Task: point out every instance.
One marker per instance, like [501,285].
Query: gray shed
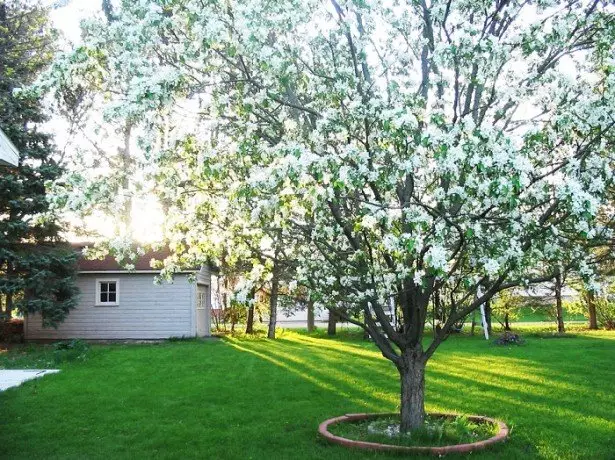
[116,304]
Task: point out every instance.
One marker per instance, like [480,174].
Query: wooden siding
[146,311]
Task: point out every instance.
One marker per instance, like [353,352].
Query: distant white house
[299,317]
[116,304]
[9,155]
[545,293]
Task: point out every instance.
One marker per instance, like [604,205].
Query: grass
[48,356]
[250,398]
[545,313]
[436,431]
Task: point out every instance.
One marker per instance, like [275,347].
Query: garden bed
[441,434]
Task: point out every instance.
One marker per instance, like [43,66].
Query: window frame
[98,302]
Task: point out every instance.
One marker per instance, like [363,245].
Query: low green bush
[70,350]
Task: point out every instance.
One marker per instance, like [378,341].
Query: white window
[107,292]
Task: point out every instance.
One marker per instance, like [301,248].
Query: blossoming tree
[410,150]
[215,217]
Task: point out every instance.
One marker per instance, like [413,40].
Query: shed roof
[142,264]
[109,264]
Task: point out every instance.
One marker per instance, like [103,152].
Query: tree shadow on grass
[556,393]
[180,400]
[242,398]
[332,372]
[363,354]
[555,410]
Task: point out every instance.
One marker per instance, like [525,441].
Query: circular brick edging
[500,436]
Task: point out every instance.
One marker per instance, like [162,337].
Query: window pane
[112,297]
[104,297]
[112,287]
[104,287]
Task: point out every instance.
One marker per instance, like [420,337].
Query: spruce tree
[37,269]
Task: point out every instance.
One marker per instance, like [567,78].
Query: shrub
[507,305]
[605,309]
[605,314]
[70,350]
[509,338]
[11,331]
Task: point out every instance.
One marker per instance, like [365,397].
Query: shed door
[203,319]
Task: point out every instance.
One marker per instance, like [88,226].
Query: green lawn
[544,313]
[253,398]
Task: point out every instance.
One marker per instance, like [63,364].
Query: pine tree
[37,270]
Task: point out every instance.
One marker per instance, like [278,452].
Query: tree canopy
[404,150]
[36,269]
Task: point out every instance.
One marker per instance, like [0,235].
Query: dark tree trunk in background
[434,306]
[273,305]
[591,310]
[473,323]
[412,374]
[250,320]
[558,304]
[332,326]
[8,312]
[506,322]
[488,316]
[310,316]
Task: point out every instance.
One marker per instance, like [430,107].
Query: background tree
[106,164]
[589,298]
[409,150]
[37,271]
[602,304]
[221,222]
[506,305]
[593,296]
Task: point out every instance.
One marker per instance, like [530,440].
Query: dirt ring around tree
[500,436]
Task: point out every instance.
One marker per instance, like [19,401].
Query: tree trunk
[473,323]
[8,312]
[558,304]
[250,320]
[331,328]
[506,322]
[310,316]
[273,306]
[591,310]
[225,308]
[412,375]
[123,225]
[433,316]
[488,316]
